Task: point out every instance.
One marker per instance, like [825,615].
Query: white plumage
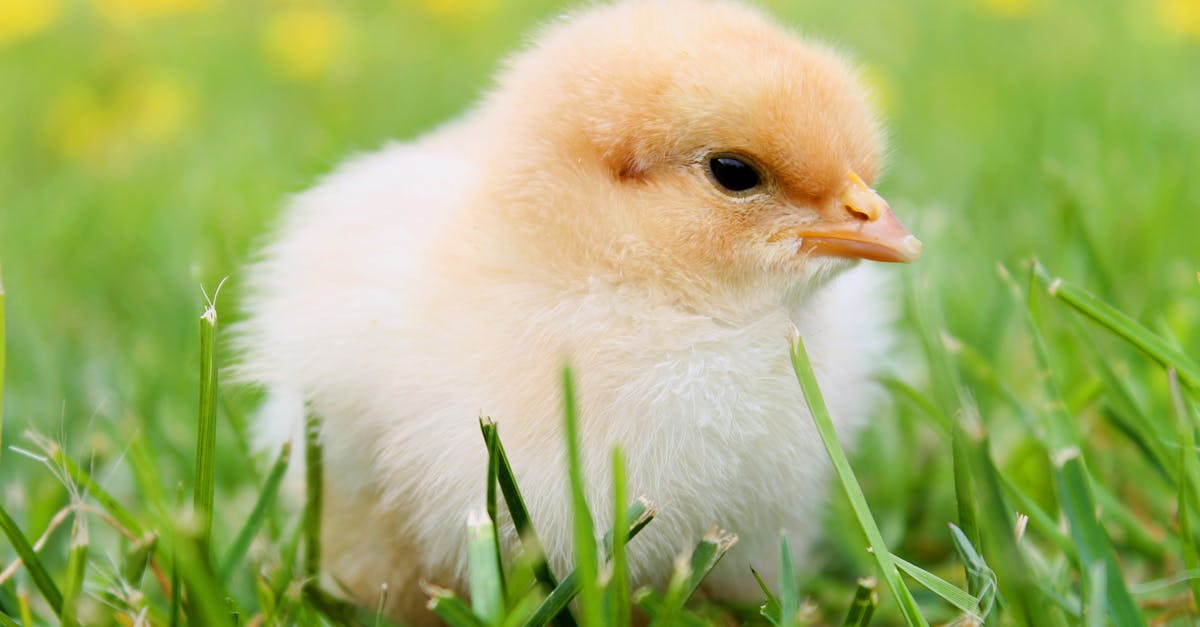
[575,216]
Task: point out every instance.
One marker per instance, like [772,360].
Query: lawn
[147,145]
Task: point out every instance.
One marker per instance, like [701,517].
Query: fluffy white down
[354,312]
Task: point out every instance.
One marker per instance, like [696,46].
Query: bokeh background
[147,145]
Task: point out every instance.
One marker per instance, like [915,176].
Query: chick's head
[701,145]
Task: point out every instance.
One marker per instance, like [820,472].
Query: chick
[657,192]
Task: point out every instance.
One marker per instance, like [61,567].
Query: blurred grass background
[146,145]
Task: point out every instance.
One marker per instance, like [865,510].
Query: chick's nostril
[856,213]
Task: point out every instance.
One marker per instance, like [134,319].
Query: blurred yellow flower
[24,18]
[301,42]
[132,10]
[105,128]
[1007,8]
[456,8]
[1181,17]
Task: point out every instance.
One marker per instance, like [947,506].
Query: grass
[144,153]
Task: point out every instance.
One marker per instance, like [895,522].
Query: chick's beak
[860,225]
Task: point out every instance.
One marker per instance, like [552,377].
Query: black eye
[733,174]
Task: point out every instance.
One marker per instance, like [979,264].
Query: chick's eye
[733,174]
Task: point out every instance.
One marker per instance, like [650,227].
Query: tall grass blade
[1123,326]
[314,489]
[667,609]
[587,561]
[862,608]
[708,553]
[1188,484]
[1039,520]
[638,515]
[450,608]
[76,568]
[964,492]
[1073,483]
[137,558]
[618,590]
[258,515]
[1014,573]
[205,602]
[33,565]
[789,591]
[487,595]
[520,516]
[771,609]
[979,575]
[491,436]
[849,484]
[949,592]
[206,436]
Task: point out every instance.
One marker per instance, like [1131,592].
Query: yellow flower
[107,128]
[457,8]
[302,42]
[133,10]
[24,18]
[1007,8]
[1181,17]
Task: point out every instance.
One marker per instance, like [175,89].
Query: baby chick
[657,192]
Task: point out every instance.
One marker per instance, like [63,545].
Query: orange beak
[866,228]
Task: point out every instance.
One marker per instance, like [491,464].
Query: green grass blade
[32,564]
[76,568]
[587,560]
[658,606]
[314,489]
[1073,483]
[1014,574]
[1123,326]
[491,436]
[618,590]
[949,592]
[450,608]
[487,594]
[690,571]
[334,610]
[520,517]
[206,436]
[1132,529]
[89,486]
[862,608]
[964,492]
[900,389]
[137,558]
[789,591]
[1039,519]
[841,465]
[771,609]
[708,553]
[1188,484]
[670,611]
[205,601]
[258,515]
[639,514]
[980,576]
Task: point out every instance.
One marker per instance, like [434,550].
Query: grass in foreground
[1018,564]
